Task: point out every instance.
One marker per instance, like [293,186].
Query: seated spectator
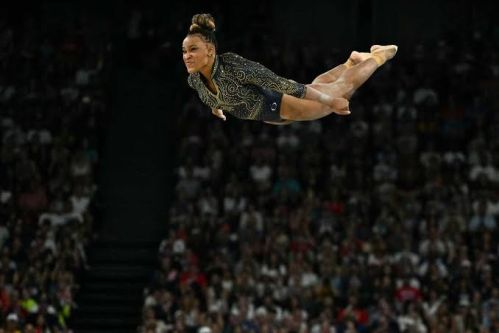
[480,220]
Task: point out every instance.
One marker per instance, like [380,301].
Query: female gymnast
[247,90]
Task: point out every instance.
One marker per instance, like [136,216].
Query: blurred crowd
[52,107]
[385,221]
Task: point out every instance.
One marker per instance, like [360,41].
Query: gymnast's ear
[211,49]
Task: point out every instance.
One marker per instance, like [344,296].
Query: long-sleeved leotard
[245,89]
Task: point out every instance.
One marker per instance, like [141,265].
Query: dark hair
[204,25]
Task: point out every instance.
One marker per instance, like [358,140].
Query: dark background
[150,110]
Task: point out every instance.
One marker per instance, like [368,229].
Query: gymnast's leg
[333,74]
[322,99]
[356,75]
[298,109]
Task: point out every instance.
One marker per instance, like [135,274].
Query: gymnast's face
[198,55]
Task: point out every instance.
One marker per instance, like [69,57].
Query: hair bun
[202,21]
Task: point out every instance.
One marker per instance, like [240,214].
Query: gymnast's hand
[219,113]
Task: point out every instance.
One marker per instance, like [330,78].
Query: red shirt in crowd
[361,315]
[193,275]
[407,293]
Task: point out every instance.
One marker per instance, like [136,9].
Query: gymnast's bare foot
[341,105]
[358,57]
[383,53]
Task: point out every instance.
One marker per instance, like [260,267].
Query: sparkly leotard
[245,89]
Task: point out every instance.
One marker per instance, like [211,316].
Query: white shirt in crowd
[492,207]
[254,216]
[478,222]
[80,204]
[488,171]
[288,138]
[57,219]
[44,136]
[232,204]
[261,173]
